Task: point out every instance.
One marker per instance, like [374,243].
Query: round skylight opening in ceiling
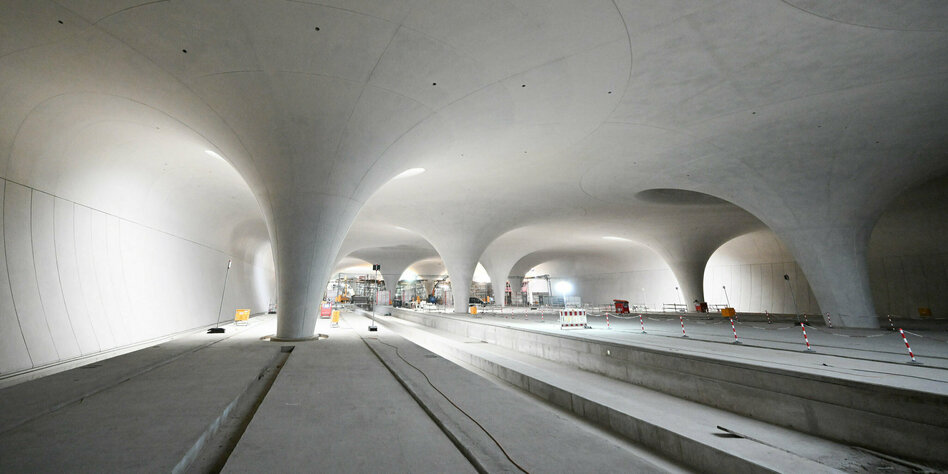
[678,197]
[409,173]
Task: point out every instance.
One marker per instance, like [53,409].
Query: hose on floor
[489,435]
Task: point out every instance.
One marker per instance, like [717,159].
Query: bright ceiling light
[620,239]
[214,154]
[410,172]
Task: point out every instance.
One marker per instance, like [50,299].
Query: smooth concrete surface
[904,258]
[146,411]
[146,144]
[352,403]
[751,268]
[836,397]
[77,282]
[872,356]
[337,406]
[62,386]
[683,430]
[605,118]
[334,408]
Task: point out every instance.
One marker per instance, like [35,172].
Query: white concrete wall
[759,287]
[908,253]
[602,288]
[598,277]
[76,281]
[752,267]
[904,283]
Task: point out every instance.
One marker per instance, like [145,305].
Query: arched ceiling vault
[546,114]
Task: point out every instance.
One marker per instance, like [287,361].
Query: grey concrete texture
[810,117]
[335,408]
[27,401]
[682,430]
[536,437]
[78,282]
[766,385]
[150,411]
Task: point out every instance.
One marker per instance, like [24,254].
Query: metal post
[217,328]
[375,267]
[907,346]
[805,339]
[796,311]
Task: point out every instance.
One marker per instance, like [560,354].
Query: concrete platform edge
[910,434]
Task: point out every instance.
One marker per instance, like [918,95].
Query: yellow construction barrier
[473,309]
[335,318]
[241,316]
[728,312]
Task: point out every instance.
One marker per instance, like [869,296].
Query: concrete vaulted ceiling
[530,117]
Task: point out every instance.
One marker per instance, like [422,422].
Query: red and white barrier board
[572,318]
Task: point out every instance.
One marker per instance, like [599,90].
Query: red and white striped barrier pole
[907,346]
[736,340]
[541,317]
[805,339]
[829,321]
[891,326]
[682,319]
[768,317]
[642,321]
[607,321]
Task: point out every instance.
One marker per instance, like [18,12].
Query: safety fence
[821,324]
[731,325]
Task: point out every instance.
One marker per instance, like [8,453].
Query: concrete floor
[838,396]
[682,429]
[411,398]
[349,403]
[140,412]
[336,405]
[875,355]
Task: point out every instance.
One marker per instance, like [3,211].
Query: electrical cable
[489,435]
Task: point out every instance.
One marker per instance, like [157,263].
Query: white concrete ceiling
[538,119]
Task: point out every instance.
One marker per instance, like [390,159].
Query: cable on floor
[489,435]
